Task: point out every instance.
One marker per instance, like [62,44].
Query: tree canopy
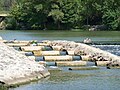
[65,14]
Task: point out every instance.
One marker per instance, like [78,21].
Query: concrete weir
[16,68]
[95,54]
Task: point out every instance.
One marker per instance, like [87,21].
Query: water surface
[112,36]
[102,79]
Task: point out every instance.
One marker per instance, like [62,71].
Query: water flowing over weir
[114,49]
[89,50]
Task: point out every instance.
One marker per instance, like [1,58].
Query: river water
[102,79]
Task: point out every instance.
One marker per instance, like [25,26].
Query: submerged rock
[16,68]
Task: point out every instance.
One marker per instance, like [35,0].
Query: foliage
[111,15]
[65,14]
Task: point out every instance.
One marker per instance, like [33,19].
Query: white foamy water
[114,49]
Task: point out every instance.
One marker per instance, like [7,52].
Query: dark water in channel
[102,79]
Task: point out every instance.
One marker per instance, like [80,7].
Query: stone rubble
[14,65]
[83,49]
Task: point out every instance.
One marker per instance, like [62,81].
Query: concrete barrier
[35,48]
[57,48]
[70,52]
[71,63]
[48,53]
[102,63]
[52,53]
[58,58]
[16,44]
[16,41]
[43,44]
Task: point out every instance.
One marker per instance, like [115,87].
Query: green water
[61,35]
[102,79]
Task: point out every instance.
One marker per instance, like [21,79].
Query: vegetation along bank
[62,14]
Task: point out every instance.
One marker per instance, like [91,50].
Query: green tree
[92,12]
[111,17]
[56,13]
[65,14]
[38,14]
[71,10]
[30,14]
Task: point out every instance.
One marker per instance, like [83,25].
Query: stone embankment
[16,68]
[94,54]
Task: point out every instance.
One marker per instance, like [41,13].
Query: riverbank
[16,68]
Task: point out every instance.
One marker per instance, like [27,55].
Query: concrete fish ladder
[88,50]
[52,53]
[16,68]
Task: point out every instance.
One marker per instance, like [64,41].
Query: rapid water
[114,49]
[102,79]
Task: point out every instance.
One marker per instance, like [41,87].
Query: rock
[82,49]
[16,68]
[87,41]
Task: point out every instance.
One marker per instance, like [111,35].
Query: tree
[65,14]
[111,15]
[71,10]
[92,12]
[30,14]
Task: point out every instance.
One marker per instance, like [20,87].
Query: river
[108,36]
[102,79]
